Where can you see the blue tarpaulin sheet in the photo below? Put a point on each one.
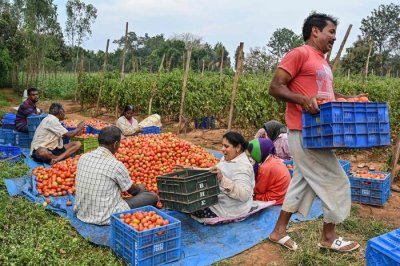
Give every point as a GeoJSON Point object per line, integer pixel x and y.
{"type": "Point", "coordinates": [201, 244]}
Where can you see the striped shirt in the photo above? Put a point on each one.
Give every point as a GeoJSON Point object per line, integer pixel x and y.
{"type": "Point", "coordinates": [27, 108]}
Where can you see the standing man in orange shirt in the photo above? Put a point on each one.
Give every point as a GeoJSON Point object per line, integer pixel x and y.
{"type": "Point", "coordinates": [302, 78]}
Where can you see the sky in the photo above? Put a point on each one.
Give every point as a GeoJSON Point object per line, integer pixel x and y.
{"type": "Point", "coordinates": [228, 21]}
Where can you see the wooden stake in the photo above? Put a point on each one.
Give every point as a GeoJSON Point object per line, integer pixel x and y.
{"type": "Point", "coordinates": [348, 73]}
{"type": "Point", "coordinates": [103, 76]}
{"type": "Point", "coordinates": [185, 77]}
{"type": "Point", "coordinates": [169, 65]}
{"type": "Point", "coordinates": [368, 56]}
{"type": "Point", "coordinates": [80, 74]}
{"type": "Point", "coordinates": [328, 56]}
{"type": "Point", "coordinates": [222, 63]}
{"type": "Point", "coordinates": [122, 68]}
{"type": "Point", "coordinates": [202, 69]}
{"type": "Point", "coordinates": [133, 60]}
{"type": "Point", "coordinates": [337, 58]}
{"type": "Point", "coordinates": [235, 84]}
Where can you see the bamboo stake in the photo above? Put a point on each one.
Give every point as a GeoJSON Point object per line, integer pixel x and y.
{"type": "Point", "coordinates": [122, 68]}
{"type": "Point", "coordinates": [235, 83]}
{"type": "Point", "coordinates": [185, 77]}
{"type": "Point", "coordinates": [337, 58]}
{"type": "Point", "coordinates": [103, 76]}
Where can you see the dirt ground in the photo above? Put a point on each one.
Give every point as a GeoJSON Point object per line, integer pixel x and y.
{"type": "Point", "coordinates": [264, 253]}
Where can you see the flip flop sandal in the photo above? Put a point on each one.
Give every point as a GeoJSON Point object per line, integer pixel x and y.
{"type": "Point", "coordinates": [283, 242]}
{"type": "Point", "coordinates": [339, 243]}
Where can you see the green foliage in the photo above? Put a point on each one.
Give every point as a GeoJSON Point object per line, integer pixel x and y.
{"type": "Point", "coordinates": [5, 67]}
{"type": "Point", "coordinates": [308, 235]}
{"type": "Point", "coordinates": [283, 40]}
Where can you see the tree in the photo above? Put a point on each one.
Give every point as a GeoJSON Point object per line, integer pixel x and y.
{"type": "Point", "coordinates": [80, 18]}
{"type": "Point", "coordinates": [383, 26]}
{"type": "Point", "coordinates": [356, 56]}
{"type": "Point", "coordinates": [258, 60]}
{"type": "Point", "coordinates": [282, 41]}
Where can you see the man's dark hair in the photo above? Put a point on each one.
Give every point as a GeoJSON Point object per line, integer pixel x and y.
{"type": "Point", "coordinates": [316, 20]}
{"type": "Point", "coordinates": [30, 90]}
{"type": "Point", "coordinates": [55, 108]}
{"type": "Point", "coordinates": [109, 135]}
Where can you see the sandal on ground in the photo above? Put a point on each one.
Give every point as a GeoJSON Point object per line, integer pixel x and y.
{"type": "Point", "coordinates": [338, 245]}
{"type": "Point", "coordinates": [283, 241]}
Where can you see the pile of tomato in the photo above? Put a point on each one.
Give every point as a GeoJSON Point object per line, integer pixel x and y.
{"type": "Point", "coordinates": [87, 136]}
{"type": "Point", "coordinates": [368, 174]}
{"type": "Point", "coordinates": [149, 156]}
{"type": "Point", "coordinates": [145, 157]}
{"type": "Point", "coordinates": [97, 124]}
{"type": "Point", "coordinates": [59, 180]}
{"type": "Point", "coordinates": [361, 99]}
{"type": "Point", "coordinates": [142, 221]}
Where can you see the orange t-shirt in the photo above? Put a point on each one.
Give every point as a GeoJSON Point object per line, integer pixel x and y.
{"type": "Point", "coordinates": [311, 76]}
{"type": "Point", "coordinates": [272, 180]}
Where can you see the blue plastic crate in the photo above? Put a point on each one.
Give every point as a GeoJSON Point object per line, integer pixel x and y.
{"type": "Point", "coordinates": [35, 119]}
{"type": "Point", "coordinates": [347, 125]}
{"type": "Point", "coordinates": [370, 191]}
{"type": "Point", "coordinates": [7, 137]}
{"type": "Point", "coordinates": [151, 130]}
{"type": "Point", "coordinates": [151, 247]}
{"type": "Point", "coordinates": [346, 165]}
{"type": "Point", "coordinates": [287, 162]}
{"type": "Point", "coordinates": [10, 153]}
{"type": "Point", "coordinates": [10, 116]}
{"type": "Point", "coordinates": [205, 122]}
{"type": "Point", "coordinates": [22, 139]}
{"type": "Point", "coordinates": [8, 126]}
{"type": "Point", "coordinates": [384, 250]}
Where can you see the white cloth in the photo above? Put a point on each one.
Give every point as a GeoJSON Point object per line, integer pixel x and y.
{"type": "Point", "coordinates": [126, 128]}
{"type": "Point", "coordinates": [317, 173]}
{"type": "Point", "coordinates": [48, 134]}
{"type": "Point", "coordinates": [100, 179]}
{"type": "Point", "coordinates": [237, 184]}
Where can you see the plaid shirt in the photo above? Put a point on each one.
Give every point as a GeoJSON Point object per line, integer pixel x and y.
{"type": "Point", "coordinates": [100, 178]}
{"type": "Point", "coordinates": [27, 108]}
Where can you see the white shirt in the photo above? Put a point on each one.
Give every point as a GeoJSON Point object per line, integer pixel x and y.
{"type": "Point", "coordinates": [48, 134]}
{"type": "Point", "coordinates": [237, 185]}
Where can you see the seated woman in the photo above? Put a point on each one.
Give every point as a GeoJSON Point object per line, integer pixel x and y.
{"type": "Point", "coordinates": [272, 176]}
{"type": "Point", "coordinates": [127, 123]}
{"type": "Point", "coordinates": [277, 133]}
{"type": "Point", "coordinates": [236, 180]}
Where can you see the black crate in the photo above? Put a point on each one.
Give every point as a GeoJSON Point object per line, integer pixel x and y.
{"type": "Point", "coordinates": [191, 206]}
{"type": "Point", "coordinates": [186, 181]}
{"type": "Point", "coordinates": [190, 197]}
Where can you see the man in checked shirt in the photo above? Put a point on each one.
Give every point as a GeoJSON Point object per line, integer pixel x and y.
{"type": "Point", "coordinates": [101, 178]}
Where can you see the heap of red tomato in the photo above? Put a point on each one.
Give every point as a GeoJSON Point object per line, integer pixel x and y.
{"type": "Point", "coordinates": [145, 157]}
{"type": "Point", "coordinates": [98, 124]}
{"type": "Point", "coordinates": [59, 180]}
{"type": "Point", "coordinates": [142, 220]}
{"type": "Point", "coordinates": [149, 156]}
